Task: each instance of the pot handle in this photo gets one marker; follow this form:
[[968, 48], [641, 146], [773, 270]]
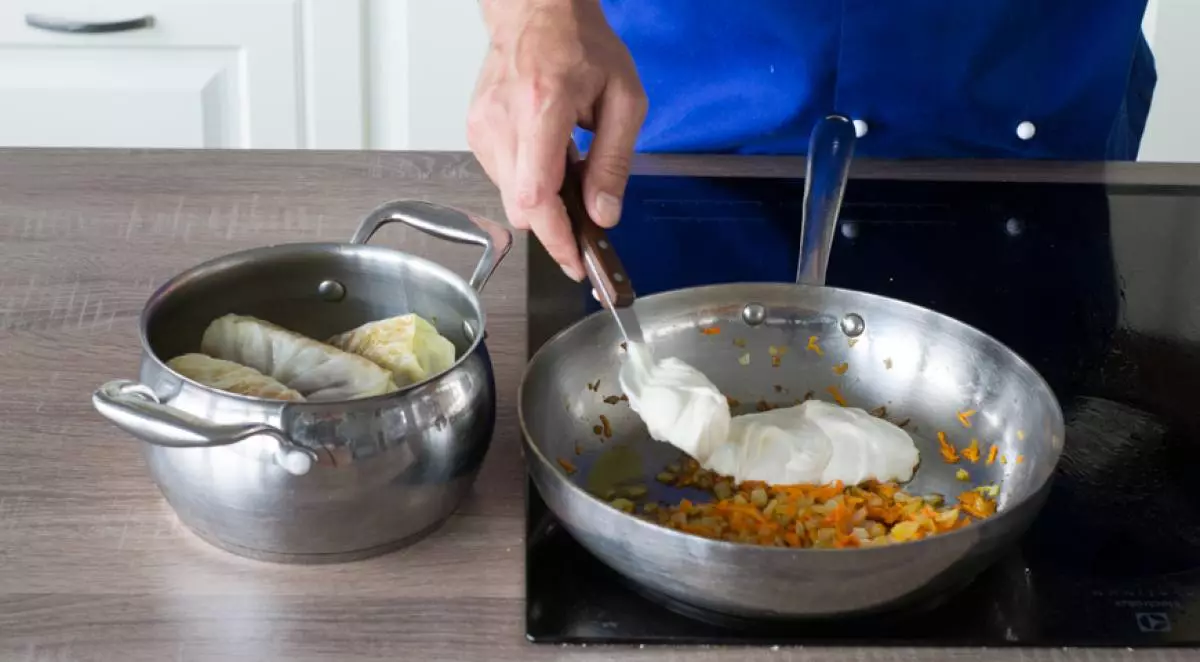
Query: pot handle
[[830, 148], [136, 409], [444, 223]]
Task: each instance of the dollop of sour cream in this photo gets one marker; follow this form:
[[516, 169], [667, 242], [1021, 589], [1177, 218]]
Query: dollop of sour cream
[[814, 442], [677, 402]]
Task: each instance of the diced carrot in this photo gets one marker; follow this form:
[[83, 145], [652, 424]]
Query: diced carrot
[[837, 517], [964, 417], [827, 492], [972, 452], [847, 540], [885, 490], [730, 507], [801, 516], [976, 504], [699, 530], [949, 454]]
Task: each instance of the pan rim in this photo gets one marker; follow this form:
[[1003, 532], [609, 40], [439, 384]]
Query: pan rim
[[1058, 430]]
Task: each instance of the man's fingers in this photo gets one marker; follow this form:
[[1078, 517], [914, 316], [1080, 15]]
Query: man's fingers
[[622, 109], [549, 222], [544, 128]]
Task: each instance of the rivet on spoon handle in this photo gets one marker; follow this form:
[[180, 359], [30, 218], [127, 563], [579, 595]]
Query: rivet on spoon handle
[[604, 268]]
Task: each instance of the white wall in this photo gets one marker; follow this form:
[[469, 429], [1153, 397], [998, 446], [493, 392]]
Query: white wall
[[424, 56], [1172, 133], [427, 53]]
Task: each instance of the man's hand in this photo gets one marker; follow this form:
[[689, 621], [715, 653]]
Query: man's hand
[[552, 65]]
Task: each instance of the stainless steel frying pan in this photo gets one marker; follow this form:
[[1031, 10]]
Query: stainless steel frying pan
[[919, 364]]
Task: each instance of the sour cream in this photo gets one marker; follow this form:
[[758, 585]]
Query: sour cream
[[677, 402], [811, 443], [814, 442]]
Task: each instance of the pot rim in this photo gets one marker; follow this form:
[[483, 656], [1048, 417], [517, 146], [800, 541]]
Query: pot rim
[[162, 293]]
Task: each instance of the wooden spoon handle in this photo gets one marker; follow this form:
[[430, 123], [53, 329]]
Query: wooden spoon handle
[[604, 268]]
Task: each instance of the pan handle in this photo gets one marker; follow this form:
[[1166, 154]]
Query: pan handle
[[830, 148], [444, 223]]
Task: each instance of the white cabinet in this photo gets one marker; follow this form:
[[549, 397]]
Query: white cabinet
[[181, 73]]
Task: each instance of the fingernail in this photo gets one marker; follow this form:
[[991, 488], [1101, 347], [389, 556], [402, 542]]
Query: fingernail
[[608, 209], [572, 273]]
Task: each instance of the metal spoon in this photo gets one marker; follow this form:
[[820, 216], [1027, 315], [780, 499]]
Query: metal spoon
[[604, 269], [610, 283]]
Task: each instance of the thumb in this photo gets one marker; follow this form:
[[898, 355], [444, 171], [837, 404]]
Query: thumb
[[618, 121]]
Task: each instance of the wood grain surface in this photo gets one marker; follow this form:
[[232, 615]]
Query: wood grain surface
[[93, 564]]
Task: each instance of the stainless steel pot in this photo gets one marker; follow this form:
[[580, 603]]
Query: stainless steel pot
[[920, 365], [318, 481]]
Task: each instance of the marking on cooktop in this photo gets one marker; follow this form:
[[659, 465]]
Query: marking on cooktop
[[1153, 621]]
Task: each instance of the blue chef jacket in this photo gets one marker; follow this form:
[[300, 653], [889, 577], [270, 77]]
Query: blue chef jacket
[[922, 79]]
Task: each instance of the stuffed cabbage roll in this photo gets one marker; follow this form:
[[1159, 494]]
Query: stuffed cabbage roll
[[407, 345], [318, 371], [231, 377]]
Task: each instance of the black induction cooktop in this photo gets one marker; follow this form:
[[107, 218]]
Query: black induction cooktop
[[1098, 287]]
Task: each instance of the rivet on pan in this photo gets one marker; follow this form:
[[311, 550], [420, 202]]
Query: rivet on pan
[[602, 244], [849, 229], [331, 290], [619, 277], [754, 314], [853, 325], [1013, 227]]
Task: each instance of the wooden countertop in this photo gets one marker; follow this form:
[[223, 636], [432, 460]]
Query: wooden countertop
[[93, 563]]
